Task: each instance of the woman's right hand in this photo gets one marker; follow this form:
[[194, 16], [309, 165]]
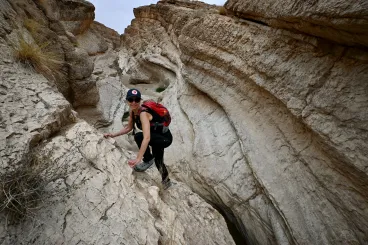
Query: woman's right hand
[[108, 135]]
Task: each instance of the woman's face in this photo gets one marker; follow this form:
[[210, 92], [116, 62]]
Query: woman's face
[[134, 102]]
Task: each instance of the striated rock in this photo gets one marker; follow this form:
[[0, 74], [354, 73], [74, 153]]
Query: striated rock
[[31, 24], [339, 21], [277, 138], [155, 63], [7, 17]]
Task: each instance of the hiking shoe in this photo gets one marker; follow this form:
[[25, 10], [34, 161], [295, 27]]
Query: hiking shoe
[[166, 184], [143, 166]]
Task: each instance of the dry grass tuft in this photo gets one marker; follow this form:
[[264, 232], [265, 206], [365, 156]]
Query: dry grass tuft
[[222, 10], [38, 56], [21, 193], [32, 26]]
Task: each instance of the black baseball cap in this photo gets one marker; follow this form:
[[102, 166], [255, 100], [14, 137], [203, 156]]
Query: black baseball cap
[[133, 93]]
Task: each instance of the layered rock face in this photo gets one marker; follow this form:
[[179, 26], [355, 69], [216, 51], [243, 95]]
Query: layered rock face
[[269, 103], [82, 191], [339, 21], [270, 125]]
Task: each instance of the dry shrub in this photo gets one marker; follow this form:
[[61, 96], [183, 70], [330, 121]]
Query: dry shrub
[[222, 10], [21, 192], [38, 56]]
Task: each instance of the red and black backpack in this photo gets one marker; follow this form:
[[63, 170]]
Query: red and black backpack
[[161, 115]]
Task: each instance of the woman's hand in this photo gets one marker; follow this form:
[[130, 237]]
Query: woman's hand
[[108, 135], [133, 162]]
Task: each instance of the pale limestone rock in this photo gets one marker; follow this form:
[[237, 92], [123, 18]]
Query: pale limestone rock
[[111, 107], [204, 225], [85, 92], [269, 125], [94, 198], [155, 63]]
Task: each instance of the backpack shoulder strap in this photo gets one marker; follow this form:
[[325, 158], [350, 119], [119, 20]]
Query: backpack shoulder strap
[[133, 120], [146, 108]]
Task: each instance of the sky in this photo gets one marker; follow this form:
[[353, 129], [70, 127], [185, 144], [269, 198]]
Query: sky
[[117, 14]]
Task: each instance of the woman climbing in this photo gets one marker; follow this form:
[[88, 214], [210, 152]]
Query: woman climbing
[[153, 134]]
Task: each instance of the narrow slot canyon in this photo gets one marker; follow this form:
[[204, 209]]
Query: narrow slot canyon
[[269, 112]]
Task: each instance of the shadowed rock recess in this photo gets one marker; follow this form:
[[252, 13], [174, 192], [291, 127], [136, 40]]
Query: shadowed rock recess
[[269, 105]]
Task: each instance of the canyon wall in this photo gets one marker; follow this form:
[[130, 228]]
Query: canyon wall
[[269, 105], [61, 182], [269, 111]]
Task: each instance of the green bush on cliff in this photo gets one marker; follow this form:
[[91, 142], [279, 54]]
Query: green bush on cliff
[[160, 89]]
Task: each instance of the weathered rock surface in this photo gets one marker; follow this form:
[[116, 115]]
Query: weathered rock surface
[[95, 199], [109, 34], [66, 28], [269, 125], [91, 196], [30, 109], [336, 20], [75, 15]]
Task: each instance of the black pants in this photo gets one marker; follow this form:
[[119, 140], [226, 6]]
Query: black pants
[[158, 142]]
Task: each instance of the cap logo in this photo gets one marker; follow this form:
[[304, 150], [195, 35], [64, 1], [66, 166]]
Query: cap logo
[[134, 92]]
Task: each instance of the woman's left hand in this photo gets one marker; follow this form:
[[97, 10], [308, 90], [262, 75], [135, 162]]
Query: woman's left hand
[[133, 162]]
